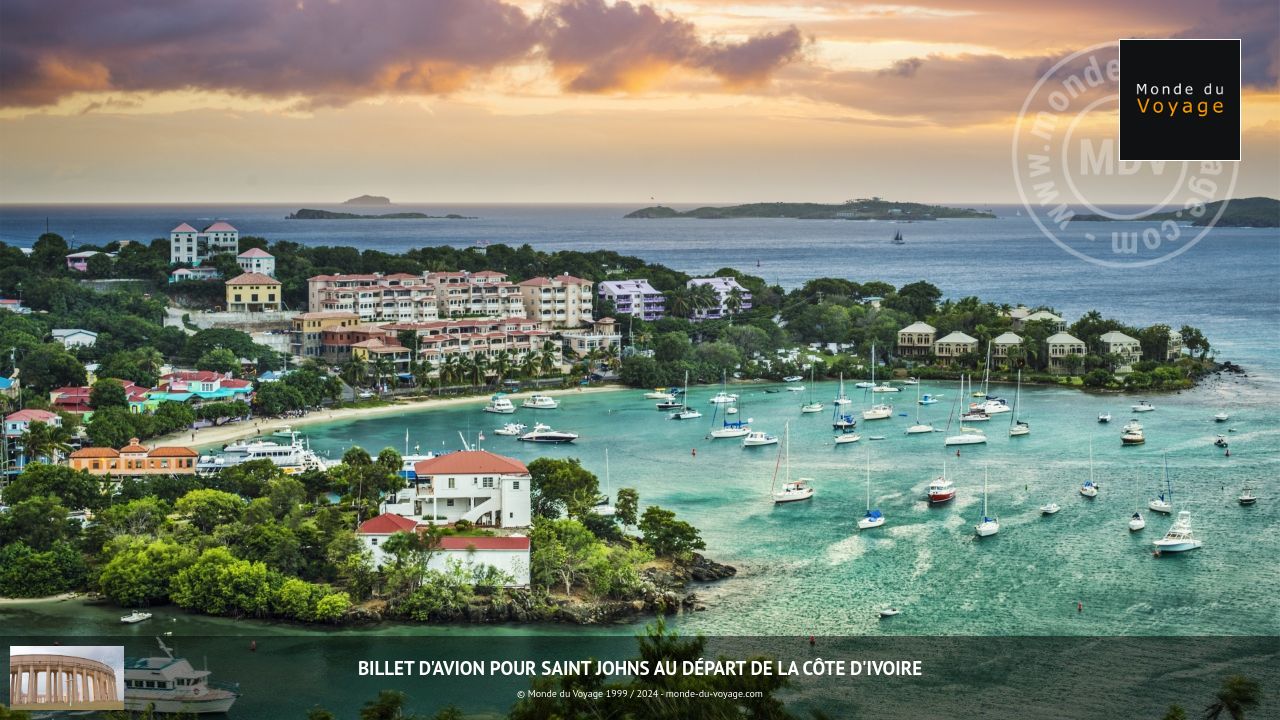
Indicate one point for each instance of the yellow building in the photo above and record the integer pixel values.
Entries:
(308, 329)
(253, 292)
(135, 459)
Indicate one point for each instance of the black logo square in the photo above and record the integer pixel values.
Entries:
(1179, 99)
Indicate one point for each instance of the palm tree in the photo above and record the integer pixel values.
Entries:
(46, 442)
(421, 370)
(501, 364)
(547, 361)
(680, 302)
(529, 364)
(354, 371)
(733, 303)
(383, 367)
(1238, 694)
(703, 297)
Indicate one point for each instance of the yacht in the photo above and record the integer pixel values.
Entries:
(989, 525)
(682, 409)
(990, 406)
(1136, 522)
(1049, 509)
(813, 406)
(911, 381)
(756, 438)
(1221, 417)
(1143, 406)
(658, 394)
(171, 685)
(136, 616)
(295, 457)
(1247, 497)
(844, 422)
(500, 405)
(723, 398)
(670, 404)
(1104, 417)
(511, 429)
(1133, 436)
(540, 402)
(886, 389)
(544, 434)
(1179, 538)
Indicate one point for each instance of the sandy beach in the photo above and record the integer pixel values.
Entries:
(48, 598)
(223, 434)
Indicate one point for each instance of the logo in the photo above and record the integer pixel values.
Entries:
(1072, 181)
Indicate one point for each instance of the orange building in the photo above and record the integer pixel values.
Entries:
(135, 459)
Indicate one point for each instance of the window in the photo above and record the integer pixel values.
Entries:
(515, 485)
(487, 482)
(373, 541)
(448, 503)
(237, 297)
(453, 484)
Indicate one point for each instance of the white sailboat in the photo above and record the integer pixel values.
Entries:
(684, 412)
(989, 525)
(841, 398)
(1018, 428)
(1090, 489)
(919, 427)
(873, 518)
(1136, 522)
(728, 428)
(724, 397)
(812, 406)
(790, 491)
(967, 436)
(605, 507)
(986, 375)
(1163, 503)
(877, 411)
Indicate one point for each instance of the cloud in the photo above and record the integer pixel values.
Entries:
(330, 52)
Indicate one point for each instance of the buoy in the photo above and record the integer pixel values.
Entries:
(1228, 454)
(253, 646)
(812, 641)
(694, 452)
(1079, 607)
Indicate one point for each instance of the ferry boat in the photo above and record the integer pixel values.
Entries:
(168, 684)
(294, 457)
(500, 405)
(540, 402)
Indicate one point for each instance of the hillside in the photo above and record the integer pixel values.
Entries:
(872, 209)
(1243, 212)
(312, 214)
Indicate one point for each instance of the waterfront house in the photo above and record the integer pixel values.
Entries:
(17, 423)
(1061, 345)
(725, 288)
(1128, 348)
(375, 350)
(954, 344)
(916, 339)
(1058, 323)
(184, 385)
(307, 329)
(71, 338)
(257, 260)
(478, 337)
(473, 485)
(510, 554)
(204, 272)
(134, 460)
(1174, 349)
(602, 334)
(1003, 343)
(563, 301)
(253, 292)
(636, 298)
(192, 247)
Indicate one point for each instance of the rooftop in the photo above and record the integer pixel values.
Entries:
(253, 279)
(957, 337)
(386, 524)
(470, 462)
(255, 253)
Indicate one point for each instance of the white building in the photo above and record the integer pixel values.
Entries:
(725, 288)
(1003, 343)
(257, 260)
(1174, 350)
(955, 344)
(1062, 345)
(507, 554)
(602, 334)
(1058, 323)
(1128, 348)
(191, 246)
(916, 339)
(473, 485)
(74, 337)
(634, 297)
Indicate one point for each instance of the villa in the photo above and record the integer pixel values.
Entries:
(1128, 348)
(599, 336)
(79, 261)
(563, 301)
(1058, 323)
(509, 555)
(1062, 345)
(192, 247)
(71, 338)
(257, 260)
(134, 460)
(636, 298)
(184, 385)
(955, 344)
(474, 485)
(1175, 345)
(916, 339)
(1003, 343)
(204, 272)
(15, 424)
(725, 288)
(75, 398)
(375, 350)
(253, 292)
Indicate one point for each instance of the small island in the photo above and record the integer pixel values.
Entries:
(313, 214)
(368, 200)
(1255, 212)
(863, 209)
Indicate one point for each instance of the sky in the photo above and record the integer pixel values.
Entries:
(571, 101)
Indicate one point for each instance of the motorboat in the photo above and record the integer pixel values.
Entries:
(1221, 417)
(1133, 437)
(1247, 497)
(975, 416)
(1088, 489)
(795, 388)
(756, 438)
(792, 378)
(941, 489)
(847, 438)
(283, 431)
(511, 429)
(911, 381)
(1143, 406)
(658, 394)
(540, 402)
(1221, 441)
(723, 398)
(544, 434)
(1049, 509)
(500, 405)
(989, 525)
(669, 404)
(889, 612)
(136, 616)
(864, 385)
(928, 399)
(886, 389)
(1179, 538)
(875, 437)
(1136, 522)
(731, 410)
(170, 685)
(1104, 417)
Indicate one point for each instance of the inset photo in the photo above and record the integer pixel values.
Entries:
(66, 677)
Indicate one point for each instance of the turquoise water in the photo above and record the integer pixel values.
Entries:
(806, 569)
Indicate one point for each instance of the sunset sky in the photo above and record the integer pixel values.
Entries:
(562, 100)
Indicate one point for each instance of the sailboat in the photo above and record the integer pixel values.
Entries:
(989, 525)
(1136, 522)
(1018, 428)
(986, 375)
(812, 406)
(873, 518)
(723, 397)
(967, 436)
(604, 507)
(728, 428)
(1161, 503)
(790, 491)
(919, 427)
(1090, 489)
(684, 412)
(878, 411)
(841, 398)
(897, 239)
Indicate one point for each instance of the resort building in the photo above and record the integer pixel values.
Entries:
(509, 555)
(1128, 348)
(253, 292)
(600, 335)
(955, 344)
(306, 330)
(204, 272)
(71, 338)
(1058, 323)
(257, 260)
(473, 485)
(192, 247)
(726, 290)
(134, 460)
(79, 261)
(15, 424)
(636, 298)
(337, 342)
(916, 339)
(1174, 350)
(563, 301)
(484, 293)
(374, 351)
(1003, 343)
(487, 337)
(1062, 345)
(75, 398)
(399, 297)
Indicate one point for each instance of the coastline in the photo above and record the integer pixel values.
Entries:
(222, 434)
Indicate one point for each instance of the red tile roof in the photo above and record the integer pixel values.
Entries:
(95, 452)
(470, 462)
(173, 451)
(253, 279)
(32, 415)
(484, 543)
(220, 227)
(255, 253)
(387, 524)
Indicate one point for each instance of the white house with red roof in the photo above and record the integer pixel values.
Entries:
(257, 260)
(191, 246)
(15, 424)
(508, 554)
(473, 485)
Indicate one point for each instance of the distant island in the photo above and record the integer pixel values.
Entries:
(1258, 212)
(865, 209)
(369, 200)
(312, 214)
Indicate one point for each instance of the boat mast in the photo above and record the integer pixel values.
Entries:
(1091, 460)
(868, 478)
(984, 493)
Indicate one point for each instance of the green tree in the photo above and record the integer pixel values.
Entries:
(74, 489)
(111, 427)
(49, 366)
(139, 571)
(627, 506)
(563, 552)
(28, 572)
(220, 360)
(1237, 695)
(45, 442)
(668, 536)
(106, 393)
(220, 584)
(207, 509)
(672, 347)
(143, 516)
(562, 485)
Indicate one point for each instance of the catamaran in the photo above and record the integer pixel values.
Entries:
(989, 525)
(790, 491)
(873, 518)
(1018, 428)
(659, 394)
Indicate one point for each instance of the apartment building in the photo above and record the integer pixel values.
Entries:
(191, 246)
(375, 297)
(636, 298)
(253, 292)
(257, 260)
(563, 301)
(306, 330)
(726, 288)
(486, 293)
